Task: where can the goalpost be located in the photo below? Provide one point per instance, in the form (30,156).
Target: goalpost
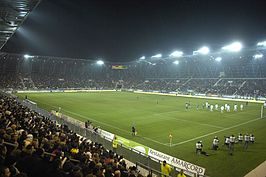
(262,110)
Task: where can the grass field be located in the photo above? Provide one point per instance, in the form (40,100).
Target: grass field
(117,111)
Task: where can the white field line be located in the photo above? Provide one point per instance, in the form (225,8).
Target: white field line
(210,125)
(208,134)
(109,125)
(86,117)
(174,118)
(113,126)
(149,139)
(165,144)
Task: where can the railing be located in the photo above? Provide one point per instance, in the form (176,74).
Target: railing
(174,172)
(152,171)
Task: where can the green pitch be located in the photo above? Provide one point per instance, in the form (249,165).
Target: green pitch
(156,116)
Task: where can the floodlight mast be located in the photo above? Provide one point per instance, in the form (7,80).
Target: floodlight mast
(258,56)
(203,50)
(157,56)
(218,59)
(261,44)
(26,56)
(176,54)
(234,47)
(142,58)
(100,62)
(176,62)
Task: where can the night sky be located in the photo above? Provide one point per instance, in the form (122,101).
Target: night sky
(124,30)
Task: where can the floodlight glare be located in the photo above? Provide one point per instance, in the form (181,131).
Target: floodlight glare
(176,54)
(262,44)
(234,47)
(258,56)
(142,58)
(218,59)
(176,62)
(157,56)
(27,56)
(203,50)
(100,62)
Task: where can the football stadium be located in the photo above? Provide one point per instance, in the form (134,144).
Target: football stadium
(193,113)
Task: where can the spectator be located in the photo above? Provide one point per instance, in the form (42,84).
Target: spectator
(114,144)
(33,134)
(5,172)
(181,173)
(165,169)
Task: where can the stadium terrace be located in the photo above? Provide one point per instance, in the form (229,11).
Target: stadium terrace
(239,74)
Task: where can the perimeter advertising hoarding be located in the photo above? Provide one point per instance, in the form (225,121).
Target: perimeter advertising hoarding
(181,164)
(119,67)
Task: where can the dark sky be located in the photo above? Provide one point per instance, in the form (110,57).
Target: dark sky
(124,30)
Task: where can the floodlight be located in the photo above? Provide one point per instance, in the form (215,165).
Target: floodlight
(26,56)
(176,54)
(203,50)
(258,56)
(234,47)
(262,44)
(157,56)
(176,62)
(100,62)
(218,59)
(142,58)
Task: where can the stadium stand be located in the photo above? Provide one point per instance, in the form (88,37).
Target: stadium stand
(33,145)
(192,76)
(245,80)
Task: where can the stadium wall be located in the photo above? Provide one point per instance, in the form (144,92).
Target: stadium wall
(214,97)
(57,91)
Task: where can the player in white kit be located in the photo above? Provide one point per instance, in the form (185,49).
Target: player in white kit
(211,107)
(235,107)
(241,107)
(216,107)
(222,109)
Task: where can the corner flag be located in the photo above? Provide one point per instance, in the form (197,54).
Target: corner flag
(170,139)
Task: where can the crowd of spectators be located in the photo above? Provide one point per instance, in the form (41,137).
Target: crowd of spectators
(216,86)
(235,77)
(200,85)
(162,85)
(10,82)
(63,82)
(32,145)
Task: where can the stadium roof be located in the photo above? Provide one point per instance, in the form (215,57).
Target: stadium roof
(12,15)
(113,31)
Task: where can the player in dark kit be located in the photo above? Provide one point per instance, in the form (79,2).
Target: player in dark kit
(133,129)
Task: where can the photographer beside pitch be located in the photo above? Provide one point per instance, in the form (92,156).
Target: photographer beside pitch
(133,130)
